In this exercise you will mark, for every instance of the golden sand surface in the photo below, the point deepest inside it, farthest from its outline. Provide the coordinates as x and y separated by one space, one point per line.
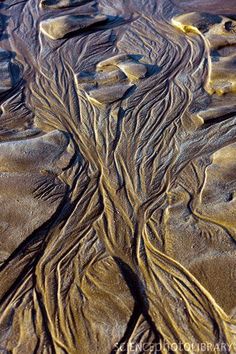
117 176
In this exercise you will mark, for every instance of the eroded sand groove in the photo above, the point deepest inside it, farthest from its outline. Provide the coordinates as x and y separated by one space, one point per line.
117 176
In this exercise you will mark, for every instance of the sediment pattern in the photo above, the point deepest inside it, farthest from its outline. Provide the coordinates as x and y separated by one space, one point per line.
117 177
